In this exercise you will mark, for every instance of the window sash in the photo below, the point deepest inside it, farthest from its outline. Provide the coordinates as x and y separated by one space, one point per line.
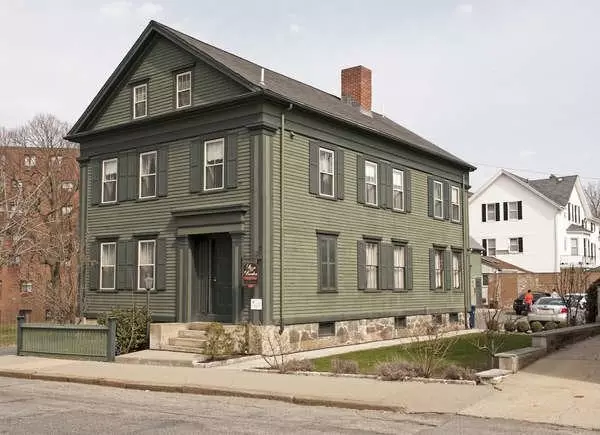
109 180
491 247
399 267
184 89
456 269
491 212
108 261
328 262
398 189
513 211
146 263
438 199
372 265
439 268
574 247
326 172
147 181
371 183
513 245
214 164
140 101
455 199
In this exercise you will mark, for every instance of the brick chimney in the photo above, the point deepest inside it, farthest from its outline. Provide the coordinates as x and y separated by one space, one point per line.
356 86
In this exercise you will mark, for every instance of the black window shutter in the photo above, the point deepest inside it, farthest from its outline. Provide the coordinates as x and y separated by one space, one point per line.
96 181
313 168
407 191
163 170
448 269
483 213
429 196
161 261
131 265
382 185
123 178
497 211
122 272
432 269
339 173
361 265
505 207
390 186
360 179
133 164
520 210
383 267
196 165
94 266
231 166
446 200
408 269
484 244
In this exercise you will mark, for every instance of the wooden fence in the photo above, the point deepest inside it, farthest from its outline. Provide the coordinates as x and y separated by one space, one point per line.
94 342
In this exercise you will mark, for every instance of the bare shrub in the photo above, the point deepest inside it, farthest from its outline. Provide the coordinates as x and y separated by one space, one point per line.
397 370
492 339
455 372
297 365
429 348
344 366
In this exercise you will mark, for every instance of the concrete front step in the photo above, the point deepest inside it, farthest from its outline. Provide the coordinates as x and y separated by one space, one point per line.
194 343
198 326
186 349
192 333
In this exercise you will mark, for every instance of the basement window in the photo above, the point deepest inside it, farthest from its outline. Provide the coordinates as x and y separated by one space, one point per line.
326 329
400 322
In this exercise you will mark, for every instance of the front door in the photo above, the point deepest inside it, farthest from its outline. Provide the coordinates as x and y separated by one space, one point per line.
213 289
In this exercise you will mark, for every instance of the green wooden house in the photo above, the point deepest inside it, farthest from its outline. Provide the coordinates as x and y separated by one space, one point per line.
196 162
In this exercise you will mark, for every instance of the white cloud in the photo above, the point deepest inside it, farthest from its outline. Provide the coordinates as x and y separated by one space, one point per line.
149 10
116 9
294 28
465 9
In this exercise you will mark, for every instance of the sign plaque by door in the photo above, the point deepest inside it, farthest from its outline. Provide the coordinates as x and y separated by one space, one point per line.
250 275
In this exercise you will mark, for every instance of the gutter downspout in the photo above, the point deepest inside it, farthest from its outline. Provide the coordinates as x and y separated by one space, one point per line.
466 253
281 178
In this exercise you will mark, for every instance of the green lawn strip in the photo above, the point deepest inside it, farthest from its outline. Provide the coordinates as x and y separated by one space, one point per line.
463 353
8 335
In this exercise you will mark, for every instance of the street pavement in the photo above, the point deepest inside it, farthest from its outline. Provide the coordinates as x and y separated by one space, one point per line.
39 407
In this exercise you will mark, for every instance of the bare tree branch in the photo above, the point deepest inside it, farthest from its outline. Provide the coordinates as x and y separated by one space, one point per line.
592 191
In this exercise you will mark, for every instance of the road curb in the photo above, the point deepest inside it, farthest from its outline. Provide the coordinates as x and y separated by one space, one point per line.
205 391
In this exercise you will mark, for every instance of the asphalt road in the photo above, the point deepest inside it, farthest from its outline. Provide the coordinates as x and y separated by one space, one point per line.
37 407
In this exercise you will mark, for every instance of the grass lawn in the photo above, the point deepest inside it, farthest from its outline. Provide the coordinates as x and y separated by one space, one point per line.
8 335
462 353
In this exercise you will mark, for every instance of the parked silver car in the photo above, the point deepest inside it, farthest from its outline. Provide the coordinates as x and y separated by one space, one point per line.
554 310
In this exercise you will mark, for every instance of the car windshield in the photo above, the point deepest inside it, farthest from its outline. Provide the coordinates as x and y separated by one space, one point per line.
550 301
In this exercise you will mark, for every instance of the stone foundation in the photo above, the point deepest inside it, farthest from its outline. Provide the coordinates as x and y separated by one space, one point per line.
302 337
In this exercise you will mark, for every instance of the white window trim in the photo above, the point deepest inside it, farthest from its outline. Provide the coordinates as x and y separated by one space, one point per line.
187 73
510 250
114 266
145 101
456 269
440 200
206 143
576 246
148 175
395 189
487 212
488 247
367 163
116 181
401 268
457 190
516 210
139 265
325 150
439 268
373 267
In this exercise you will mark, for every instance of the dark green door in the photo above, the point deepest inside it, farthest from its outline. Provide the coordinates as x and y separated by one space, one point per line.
214 301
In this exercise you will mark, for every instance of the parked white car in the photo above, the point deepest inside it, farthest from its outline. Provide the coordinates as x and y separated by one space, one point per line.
551 309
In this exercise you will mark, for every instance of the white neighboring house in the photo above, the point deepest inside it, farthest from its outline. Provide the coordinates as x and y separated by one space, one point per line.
539 225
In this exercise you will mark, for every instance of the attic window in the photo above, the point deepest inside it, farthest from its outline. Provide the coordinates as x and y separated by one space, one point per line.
140 101
184 89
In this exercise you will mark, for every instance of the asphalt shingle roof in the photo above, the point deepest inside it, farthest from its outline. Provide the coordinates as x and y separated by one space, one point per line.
316 99
555 188
574 228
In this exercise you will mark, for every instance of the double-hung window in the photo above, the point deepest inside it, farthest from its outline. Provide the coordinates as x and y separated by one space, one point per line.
513 245
326 172
327 262
140 101
456 269
455 206
513 211
184 89
148 175
370 183
108 261
574 246
214 151
491 212
490 247
109 181
398 189
399 267
438 200
439 268
372 265
146 264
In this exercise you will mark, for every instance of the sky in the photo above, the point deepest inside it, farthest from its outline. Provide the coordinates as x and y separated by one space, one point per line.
500 83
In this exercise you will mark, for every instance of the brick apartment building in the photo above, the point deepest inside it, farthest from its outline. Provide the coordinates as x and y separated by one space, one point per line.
38 231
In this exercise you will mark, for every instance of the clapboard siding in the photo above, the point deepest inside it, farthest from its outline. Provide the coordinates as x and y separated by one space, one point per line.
159 65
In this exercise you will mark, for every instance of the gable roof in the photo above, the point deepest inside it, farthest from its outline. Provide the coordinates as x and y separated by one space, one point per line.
501 265
574 228
276 85
557 189
475 245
